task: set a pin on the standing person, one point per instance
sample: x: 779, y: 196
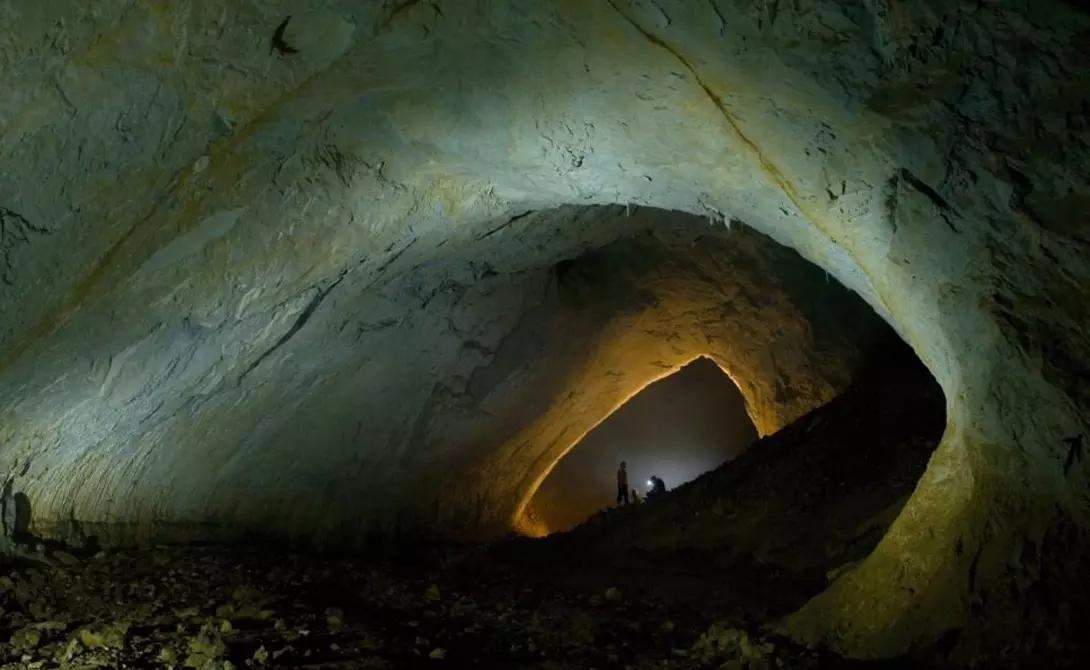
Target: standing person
x: 658, y: 487
x: 622, y: 484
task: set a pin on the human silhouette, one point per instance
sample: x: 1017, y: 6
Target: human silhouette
x: 622, y: 484
x: 658, y: 487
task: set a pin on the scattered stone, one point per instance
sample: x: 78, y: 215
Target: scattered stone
x: 261, y: 656
x: 38, y: 609
x: 111, y: 636
x: 251, y: 612
x: 51, y: 626
x: 65, y: 558
x: 175, y: 597
x: 733, y: 648
x: 204, y: 648
x: 26, y: 639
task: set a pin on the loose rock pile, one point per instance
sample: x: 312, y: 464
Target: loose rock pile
x: 214, y: 609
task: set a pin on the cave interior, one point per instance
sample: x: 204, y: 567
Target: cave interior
x: 324, y: 325
x: 676, y: 428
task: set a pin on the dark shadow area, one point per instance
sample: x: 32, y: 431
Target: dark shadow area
x: 676, y: 428
x: 15, y: 516
x: 19, y: 547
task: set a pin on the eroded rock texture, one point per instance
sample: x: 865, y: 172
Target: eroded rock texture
x: 200, y: 226
x: 439, y: 396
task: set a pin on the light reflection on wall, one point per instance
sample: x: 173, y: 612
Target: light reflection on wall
x: 677, y: 428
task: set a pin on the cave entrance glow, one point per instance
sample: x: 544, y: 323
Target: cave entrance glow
x: 677, y: 428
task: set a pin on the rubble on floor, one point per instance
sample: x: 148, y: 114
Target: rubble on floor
x: 605, y: 596
x: 215, y: 609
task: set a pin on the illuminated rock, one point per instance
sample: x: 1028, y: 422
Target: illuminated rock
x: 196, y: 227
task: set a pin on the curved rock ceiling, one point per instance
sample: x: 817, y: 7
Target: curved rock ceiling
x: 196, y: 226
x: 441, y: 393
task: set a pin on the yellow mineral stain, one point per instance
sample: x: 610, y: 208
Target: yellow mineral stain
x: 448, y: 190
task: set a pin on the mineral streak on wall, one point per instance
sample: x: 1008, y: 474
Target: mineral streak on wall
x: 252, y: 287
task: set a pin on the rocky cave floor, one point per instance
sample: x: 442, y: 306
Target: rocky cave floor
x: 685, y: 582
x: 221, y: 608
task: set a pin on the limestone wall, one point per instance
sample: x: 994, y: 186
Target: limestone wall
x: 178, y: 199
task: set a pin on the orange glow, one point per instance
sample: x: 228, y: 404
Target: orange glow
x: 527, y: 526
x: 521, y: 521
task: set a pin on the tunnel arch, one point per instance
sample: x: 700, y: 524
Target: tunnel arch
x: 638, y: 310
x: 893, y: 183
x: 681, y: 427
x: 522, y: 519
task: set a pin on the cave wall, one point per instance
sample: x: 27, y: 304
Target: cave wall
x: 385, y: 403
x: 172, y: 188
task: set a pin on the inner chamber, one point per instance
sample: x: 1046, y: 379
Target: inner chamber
x: 676, y: 428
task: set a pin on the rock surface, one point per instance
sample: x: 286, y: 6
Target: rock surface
x: 211, y: 609
x: 440, y: 397
x: 628, y: 590
x: 797, y: 510
x: 183, y: 200
x: 453, y: 606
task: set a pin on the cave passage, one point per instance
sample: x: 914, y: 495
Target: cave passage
x: 657, y: 339
x: 676, y: 428
x: 533, y: 363
x: 353, y: 275
x: 790, y: 515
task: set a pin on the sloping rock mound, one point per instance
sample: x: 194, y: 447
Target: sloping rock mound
x: 795, y: 511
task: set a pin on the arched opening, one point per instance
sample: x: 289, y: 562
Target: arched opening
x: 796, y: 512
x: 676, y: 428
x: 242, y: 290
